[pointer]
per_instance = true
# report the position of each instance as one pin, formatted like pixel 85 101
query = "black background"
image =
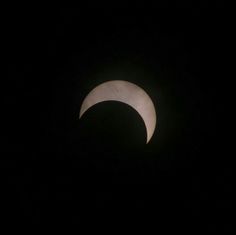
pixel 98 171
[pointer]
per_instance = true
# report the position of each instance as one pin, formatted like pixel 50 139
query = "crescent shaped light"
pixel 128 93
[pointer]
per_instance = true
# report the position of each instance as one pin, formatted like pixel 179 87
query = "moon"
pixel 125 92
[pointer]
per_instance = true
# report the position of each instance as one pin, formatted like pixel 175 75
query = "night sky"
pixel 98 171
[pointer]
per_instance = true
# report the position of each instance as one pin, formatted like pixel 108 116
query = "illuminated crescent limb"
pixel 127 93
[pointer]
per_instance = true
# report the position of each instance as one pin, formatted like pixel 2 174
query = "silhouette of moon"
pixel 125 92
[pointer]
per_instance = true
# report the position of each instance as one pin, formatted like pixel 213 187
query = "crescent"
pixel 128 93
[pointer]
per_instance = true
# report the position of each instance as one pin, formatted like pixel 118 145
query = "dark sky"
pixel 98 170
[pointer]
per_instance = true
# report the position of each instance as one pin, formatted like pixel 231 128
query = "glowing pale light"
pixel 127 93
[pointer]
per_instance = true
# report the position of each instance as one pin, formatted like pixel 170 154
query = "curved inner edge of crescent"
pixel 149 132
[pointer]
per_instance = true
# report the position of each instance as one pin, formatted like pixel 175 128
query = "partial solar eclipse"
pixel 125 92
